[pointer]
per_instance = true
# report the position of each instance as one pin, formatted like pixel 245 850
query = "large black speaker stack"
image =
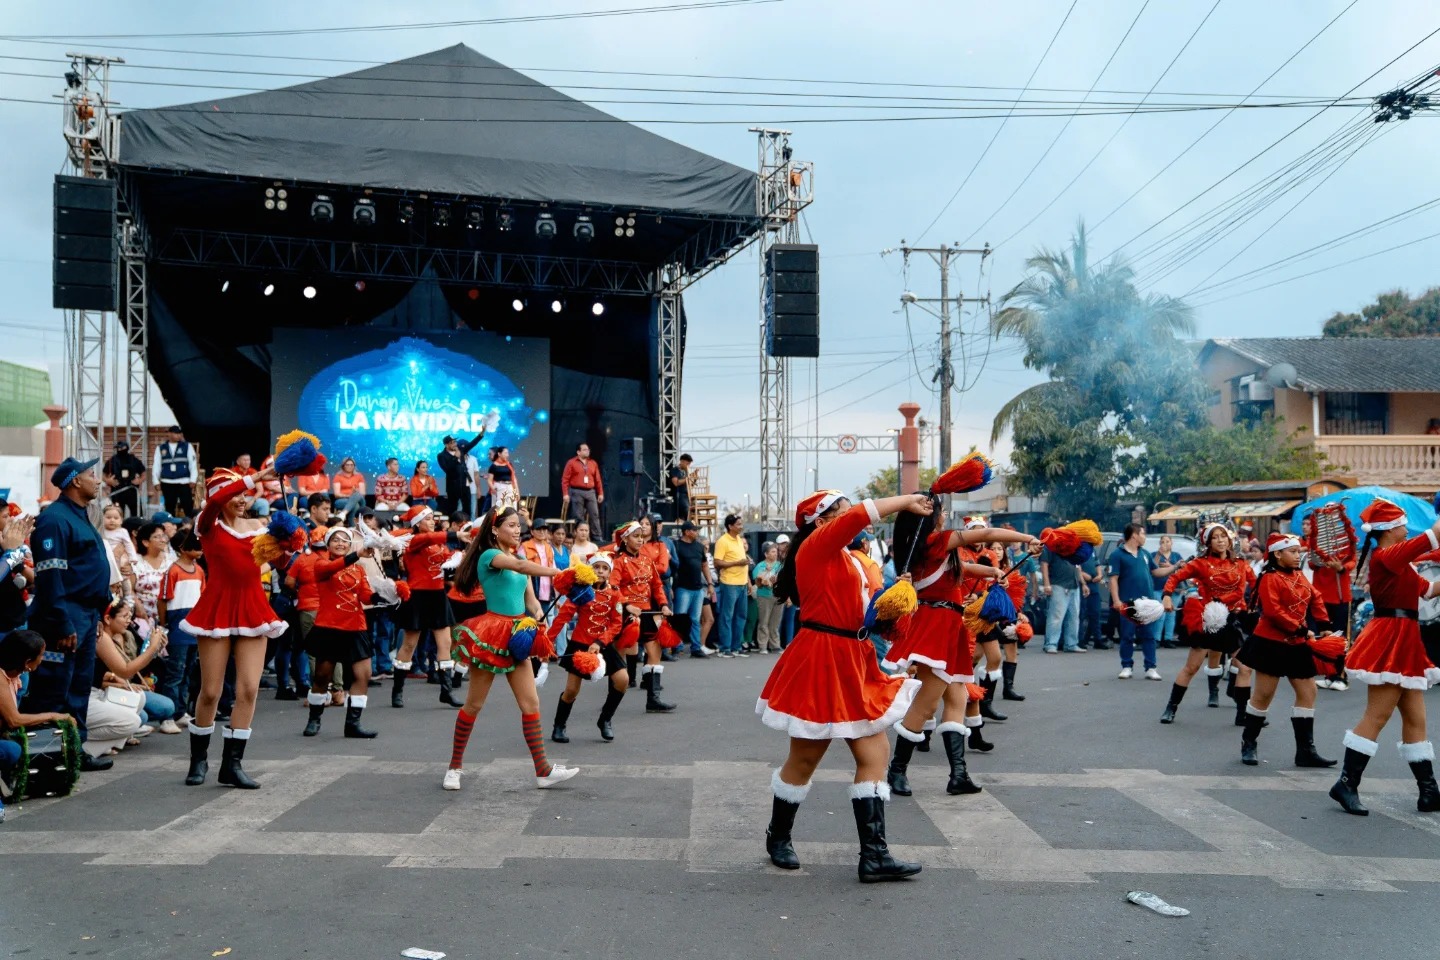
pixel 86 244
pixel 632 456
pixel 792 300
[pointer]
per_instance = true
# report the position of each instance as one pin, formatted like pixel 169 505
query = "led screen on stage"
pixel 374 394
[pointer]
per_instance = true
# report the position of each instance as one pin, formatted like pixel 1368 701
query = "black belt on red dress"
pixel 943 605
pixel 1396 613
pixel 861 634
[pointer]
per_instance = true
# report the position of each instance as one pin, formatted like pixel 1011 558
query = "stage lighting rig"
pixel 584 229
pixel 505 219
pixel 268 289
pixel 625 226
pixel 275 198
pixel 557 305
pixel 364 212
pixel 440 213
pixel 598 308
pixel 224 285
pixel 545 227
pixel 406 210
pixel 321 209
pixel 308 292
pixel 517 305
pixel 474 216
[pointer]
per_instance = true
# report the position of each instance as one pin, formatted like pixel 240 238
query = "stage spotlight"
pixel 545 227
pixel 556 306
pixel 406 209
pixel 505 219
pixel 473 293
pixel 441 214
pixel 224 285
pixel 474 216
pixel 364 212
pixel 321 209
pixel 275 198
pixel 268 289
pixel 517 305
pixel 309 292
pixel 584 229
pixel 597 308
pixel 359 286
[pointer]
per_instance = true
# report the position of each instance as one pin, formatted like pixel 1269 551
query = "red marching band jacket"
pixel 599 621
pixel 1216 578
pixel 637 581
pixel 344 590
pixel 1286 597
pixel 425 557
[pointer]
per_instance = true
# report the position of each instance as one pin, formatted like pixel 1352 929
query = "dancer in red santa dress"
pixel 232 618
pixel 827 684
pixel 1209 623
pixel 592 652
pixel 1389 657
pixel 639 584
pixel 428 608
pixel 1279 647
pixel 935 641
pixel 340 635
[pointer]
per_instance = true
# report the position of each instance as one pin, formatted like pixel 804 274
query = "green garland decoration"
pixel 22 772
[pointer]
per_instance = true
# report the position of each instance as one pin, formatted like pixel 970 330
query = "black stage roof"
pixel 450 127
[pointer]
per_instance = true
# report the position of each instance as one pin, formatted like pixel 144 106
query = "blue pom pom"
pixel 870 611
pixel 1083 554
pixel 998 607
pixel 283 525
pixel 581 595
pixel 520 644
pixel 296 457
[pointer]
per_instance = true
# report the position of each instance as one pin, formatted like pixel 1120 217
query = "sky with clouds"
pixel 884 180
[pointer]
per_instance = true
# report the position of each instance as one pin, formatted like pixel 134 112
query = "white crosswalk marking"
pixel 485 825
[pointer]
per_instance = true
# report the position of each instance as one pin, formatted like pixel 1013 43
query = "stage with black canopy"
pixel 428 194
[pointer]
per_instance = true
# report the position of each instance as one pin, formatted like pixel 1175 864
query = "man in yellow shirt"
pixel 732 563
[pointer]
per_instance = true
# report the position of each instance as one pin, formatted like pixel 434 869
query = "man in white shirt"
pixel 472 466
pixel 175 469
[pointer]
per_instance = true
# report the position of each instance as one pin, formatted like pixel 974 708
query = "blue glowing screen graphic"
pixel 375 394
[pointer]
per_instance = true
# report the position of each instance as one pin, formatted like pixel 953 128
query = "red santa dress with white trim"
pixel 233 604
pixel 1389 649
pixel 935 635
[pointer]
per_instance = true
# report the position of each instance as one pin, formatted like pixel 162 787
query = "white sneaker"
pixel 1152 674
pixel 709 651
pixel 145 731
pixel 1125 673
pixel 1323 683
pixel 1340 685
pixel 169 726
pixel 184 720
pixel 451 781
pixel 558 774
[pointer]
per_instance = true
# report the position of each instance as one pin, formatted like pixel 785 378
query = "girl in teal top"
pixel 483 643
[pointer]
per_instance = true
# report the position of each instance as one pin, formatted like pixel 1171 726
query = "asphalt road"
pixel 351 849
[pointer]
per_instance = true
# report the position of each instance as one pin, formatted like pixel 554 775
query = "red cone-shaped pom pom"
pixel 1016 585
pixel 971 473
pixel 587 663
pixel 629 636
pixel 402 589
pixel 1061 542
pixel 1023 631
pixel 666 636
pixel 974 692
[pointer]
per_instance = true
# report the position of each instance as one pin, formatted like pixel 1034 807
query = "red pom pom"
pixel 1016 585
pixel 972 473
pixel 1061 542
pixel 544 647
pixel 1023 631
pixel 565 581
pixel 630 636
pixel 586 662
pixel 974 692
pixel 317 466
pixel 666 636
pixel 402 589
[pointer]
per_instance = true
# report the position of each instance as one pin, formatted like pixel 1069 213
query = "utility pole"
pixel 945 374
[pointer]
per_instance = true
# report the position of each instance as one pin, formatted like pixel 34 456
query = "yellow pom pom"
pixel 973 623
pixel 266 549
pixel 292 437
pixel 896 602
pixel 523 624
pixel 1086 531
pixel 585 574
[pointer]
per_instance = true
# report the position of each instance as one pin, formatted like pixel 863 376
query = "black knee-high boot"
pixel 354 710
pixel 199 755
pixel 1214 682
pixel 632 666
pixel 562 714
pixel 1250 738
pixel 867 800
pixel 317 702
pixel 232 774
pixel 397 683
pixel 900 762
pixel 1305 753
pixel 1007 671
pixel 1241 696
pixel 977 739
pixel 1177 693
pixel 785 805
pixel 447 686
pixel 607 713
pixel 987 705
pixel 954 740
pixel 1421 758
pixel 1346 791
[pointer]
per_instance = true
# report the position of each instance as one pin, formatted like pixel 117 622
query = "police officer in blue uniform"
pixel 175 469
pixel 72 587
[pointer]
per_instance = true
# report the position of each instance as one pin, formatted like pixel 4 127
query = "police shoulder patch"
pixel 48 543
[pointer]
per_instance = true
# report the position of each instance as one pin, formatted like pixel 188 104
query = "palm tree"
pixel 1092 333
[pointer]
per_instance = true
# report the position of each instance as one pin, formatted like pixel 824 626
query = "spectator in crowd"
pixel 125 665
pixel 16 571
pixel 111 724
pixel 1256 553
pixel 271 491
pixel 348 487
pixel 123 473
pixel 583 548
pixel 767 629
pixel 1062 586
pixel 318 517
pixel 20 652
pixel 876 546
pixel 679 480
pixel 561 543
pixel 1164 562
pixel 540 550
pixel 1129 581
pixel 504 484
pixel 791 616
pixel 175 468
pixel 707 615
pixel 692 584
pixel 1092 605
pixel 245 466
pixel 732 562
pixel 72 587
pixel 582 488
pixel 392 490
pixel 423 491
pixel 184 583
pixel 455 471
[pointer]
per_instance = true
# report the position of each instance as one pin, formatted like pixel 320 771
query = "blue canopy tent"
pixel 1419 515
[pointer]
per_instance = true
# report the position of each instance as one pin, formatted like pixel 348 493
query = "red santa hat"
pixel 1381 515
pixel 1281 541
pixel 219 477
pixel 625 529
pixel 415 514
pixel 813 507
pixel 596 559
pixel 1210 528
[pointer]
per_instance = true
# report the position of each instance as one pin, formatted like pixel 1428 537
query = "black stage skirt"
pixel 1226 640
pixel 426 610
pixel 1289 660
pixel 614 661
pixel 339 646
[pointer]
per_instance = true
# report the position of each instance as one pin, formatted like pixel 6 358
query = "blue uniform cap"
pixel 69 469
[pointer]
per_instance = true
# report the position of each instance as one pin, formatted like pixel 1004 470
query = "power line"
pixel 399 27
pixel 1066 126
pixel 1003 122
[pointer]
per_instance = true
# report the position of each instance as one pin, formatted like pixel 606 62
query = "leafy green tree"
pixel 882 483
pixel 1209 457
pixel 1393 314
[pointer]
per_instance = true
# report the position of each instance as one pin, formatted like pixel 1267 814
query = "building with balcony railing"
pixel 1371 405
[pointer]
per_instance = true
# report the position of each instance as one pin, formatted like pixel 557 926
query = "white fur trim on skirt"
pixel 1431 677
pixel 269 631
pixel 842 730
pixel 940 667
